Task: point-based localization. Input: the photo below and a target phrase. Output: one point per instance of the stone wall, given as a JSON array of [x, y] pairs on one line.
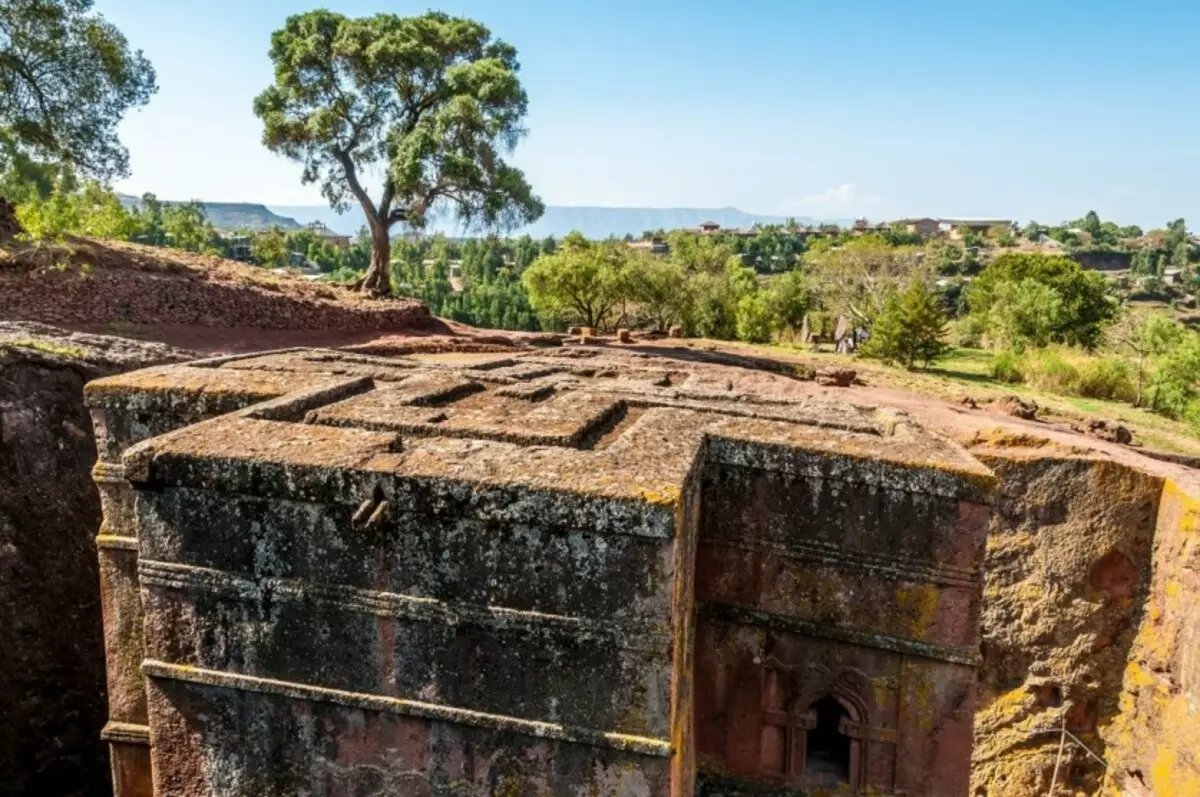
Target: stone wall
[[818, 577], [52, 704], [1067, 577], [379, 575], [1154, 742]]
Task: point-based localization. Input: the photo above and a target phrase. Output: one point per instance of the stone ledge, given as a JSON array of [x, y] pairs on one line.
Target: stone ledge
[[170, 575], [889, 565], [117, 542], [108, 473], [729, 613], [126, 733], [642, 745]]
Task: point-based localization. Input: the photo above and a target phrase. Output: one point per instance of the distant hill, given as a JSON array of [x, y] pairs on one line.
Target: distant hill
[[593, 222], [234, 215]]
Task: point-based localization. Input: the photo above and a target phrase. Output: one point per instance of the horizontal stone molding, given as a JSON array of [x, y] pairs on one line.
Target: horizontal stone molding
[[851, 468], [170, 575], [116, 542], [565, 509], [648, 746], [108, 473], [126, 733], [893, 566], [740, 615]]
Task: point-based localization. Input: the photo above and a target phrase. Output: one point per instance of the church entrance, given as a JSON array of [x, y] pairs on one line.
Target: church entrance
[[827, 748]]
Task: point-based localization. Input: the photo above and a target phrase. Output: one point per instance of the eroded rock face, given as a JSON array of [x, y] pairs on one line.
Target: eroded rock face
[[52, 702], [1066, 578], [558, 574]]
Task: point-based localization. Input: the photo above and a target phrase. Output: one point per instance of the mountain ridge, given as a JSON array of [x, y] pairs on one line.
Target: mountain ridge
[[231, 215], [593, 221]]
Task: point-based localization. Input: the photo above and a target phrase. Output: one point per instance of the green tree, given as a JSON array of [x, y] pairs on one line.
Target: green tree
[[578, 283], [91, 210], [433, 102], [67, 76], [699, 252], [910, 329], [149, 217], [1148, 336], [1173, 385], [186, 226], [789, 300], [660, 287], [856, 279], [1084, 306], [716, 298], [1025, 313], [755, 322], [270, 248]]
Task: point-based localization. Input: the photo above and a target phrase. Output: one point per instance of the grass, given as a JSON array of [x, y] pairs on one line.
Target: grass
[[967, 372], [46, 347]]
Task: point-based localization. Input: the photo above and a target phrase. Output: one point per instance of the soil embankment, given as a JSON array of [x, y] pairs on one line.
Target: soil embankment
[[129, 289]]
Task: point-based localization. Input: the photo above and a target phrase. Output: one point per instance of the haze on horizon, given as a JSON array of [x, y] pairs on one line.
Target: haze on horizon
[[1021, 110]]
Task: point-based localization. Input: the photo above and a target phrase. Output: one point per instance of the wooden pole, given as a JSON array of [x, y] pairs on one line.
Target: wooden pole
[[1062, 742]]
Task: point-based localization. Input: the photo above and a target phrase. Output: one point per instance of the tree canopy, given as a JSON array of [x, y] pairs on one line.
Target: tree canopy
[[67, 77], [582, 283], [431, 103], [1048, 297]]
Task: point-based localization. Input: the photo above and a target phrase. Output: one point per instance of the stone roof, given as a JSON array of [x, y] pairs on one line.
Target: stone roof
[[561, 419]]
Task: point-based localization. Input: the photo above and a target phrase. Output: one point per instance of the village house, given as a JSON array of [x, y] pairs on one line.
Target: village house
[[337, 240], [655, 245], [960, 227], [925, 227], [864, 226]]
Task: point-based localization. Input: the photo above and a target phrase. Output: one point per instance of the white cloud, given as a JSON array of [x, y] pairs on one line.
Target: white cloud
[[843, 197]]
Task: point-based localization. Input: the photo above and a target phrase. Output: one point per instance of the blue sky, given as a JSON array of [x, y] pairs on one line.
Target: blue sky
[[1017, 109]]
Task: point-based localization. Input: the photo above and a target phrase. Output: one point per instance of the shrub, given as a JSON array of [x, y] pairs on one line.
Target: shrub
[[1006, 367], [1051, 370], [967, 332], [1110, 378], [754, 321]]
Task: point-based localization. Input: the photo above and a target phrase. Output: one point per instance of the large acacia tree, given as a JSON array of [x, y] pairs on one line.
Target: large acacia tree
[[427, 104], [67, 76]]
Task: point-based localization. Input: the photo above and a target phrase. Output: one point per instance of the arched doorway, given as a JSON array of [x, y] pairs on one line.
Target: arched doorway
[[827, 749]]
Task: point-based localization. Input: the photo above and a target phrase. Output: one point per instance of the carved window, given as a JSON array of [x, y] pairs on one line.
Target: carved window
[[814, 740]]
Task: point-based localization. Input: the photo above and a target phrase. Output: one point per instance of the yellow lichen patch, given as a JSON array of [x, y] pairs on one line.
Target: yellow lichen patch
[[919, 604]]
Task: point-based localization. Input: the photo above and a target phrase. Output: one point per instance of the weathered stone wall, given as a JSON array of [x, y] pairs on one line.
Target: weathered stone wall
[[158, 407], [817, 577], [479, 580], [1066, 579], [1154, 742], [52, 699]]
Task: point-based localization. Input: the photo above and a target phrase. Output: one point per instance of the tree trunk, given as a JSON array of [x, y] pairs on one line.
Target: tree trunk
[[378, 279], [1141, 376]]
